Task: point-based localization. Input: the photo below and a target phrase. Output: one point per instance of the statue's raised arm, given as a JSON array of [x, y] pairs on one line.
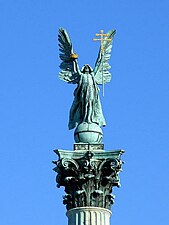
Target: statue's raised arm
[[69, 68]]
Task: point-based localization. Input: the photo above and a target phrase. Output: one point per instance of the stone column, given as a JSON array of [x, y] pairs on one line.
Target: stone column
[[88, 174], [88, 216]]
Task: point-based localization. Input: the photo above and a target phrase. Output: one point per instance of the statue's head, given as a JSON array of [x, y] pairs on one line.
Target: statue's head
[[87, 69]]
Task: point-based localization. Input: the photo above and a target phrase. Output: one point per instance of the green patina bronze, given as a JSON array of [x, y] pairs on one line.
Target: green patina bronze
[[88, 174], [86, 111]]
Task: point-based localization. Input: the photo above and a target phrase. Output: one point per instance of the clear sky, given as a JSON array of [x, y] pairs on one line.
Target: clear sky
[[35, 105]]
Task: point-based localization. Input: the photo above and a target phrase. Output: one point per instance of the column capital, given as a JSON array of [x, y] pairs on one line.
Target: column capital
[[88, 177]]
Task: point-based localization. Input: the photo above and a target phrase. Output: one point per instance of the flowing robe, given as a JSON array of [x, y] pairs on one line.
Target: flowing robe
[[86, 106]]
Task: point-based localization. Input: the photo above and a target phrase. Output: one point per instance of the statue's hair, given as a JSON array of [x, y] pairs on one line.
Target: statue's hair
[[86, 66]]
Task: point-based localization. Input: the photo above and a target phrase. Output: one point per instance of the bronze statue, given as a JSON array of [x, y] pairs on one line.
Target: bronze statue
[[86, 107]]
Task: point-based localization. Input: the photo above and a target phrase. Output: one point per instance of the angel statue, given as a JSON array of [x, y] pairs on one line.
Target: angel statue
[[86, 109]]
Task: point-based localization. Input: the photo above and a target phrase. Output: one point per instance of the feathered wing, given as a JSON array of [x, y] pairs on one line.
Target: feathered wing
[[69, 71], [101, 70]]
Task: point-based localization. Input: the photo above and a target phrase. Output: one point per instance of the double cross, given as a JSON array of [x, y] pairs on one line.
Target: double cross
[[102, 39]]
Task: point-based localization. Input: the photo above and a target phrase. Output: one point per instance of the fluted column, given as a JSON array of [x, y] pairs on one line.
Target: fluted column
[[88, 216]]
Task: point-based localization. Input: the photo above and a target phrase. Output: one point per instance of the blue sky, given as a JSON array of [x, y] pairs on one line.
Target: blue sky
[[35, 105]]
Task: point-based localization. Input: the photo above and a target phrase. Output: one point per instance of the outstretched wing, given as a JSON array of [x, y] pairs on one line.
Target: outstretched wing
[[101, 70], [69, 71]]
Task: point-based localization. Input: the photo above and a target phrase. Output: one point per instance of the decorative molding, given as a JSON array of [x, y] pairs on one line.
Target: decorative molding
[[88, 147], [88, 177]]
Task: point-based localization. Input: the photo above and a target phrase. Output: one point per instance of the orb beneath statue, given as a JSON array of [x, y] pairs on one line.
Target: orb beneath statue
[[88, 133]]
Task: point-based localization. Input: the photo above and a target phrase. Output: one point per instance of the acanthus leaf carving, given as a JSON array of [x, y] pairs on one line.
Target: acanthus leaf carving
[[88, 180]]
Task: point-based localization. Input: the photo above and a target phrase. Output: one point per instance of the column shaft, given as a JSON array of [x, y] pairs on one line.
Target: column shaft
[[88, 216]]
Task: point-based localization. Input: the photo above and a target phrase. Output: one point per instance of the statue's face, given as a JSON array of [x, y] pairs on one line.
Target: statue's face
[[86, 71]]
